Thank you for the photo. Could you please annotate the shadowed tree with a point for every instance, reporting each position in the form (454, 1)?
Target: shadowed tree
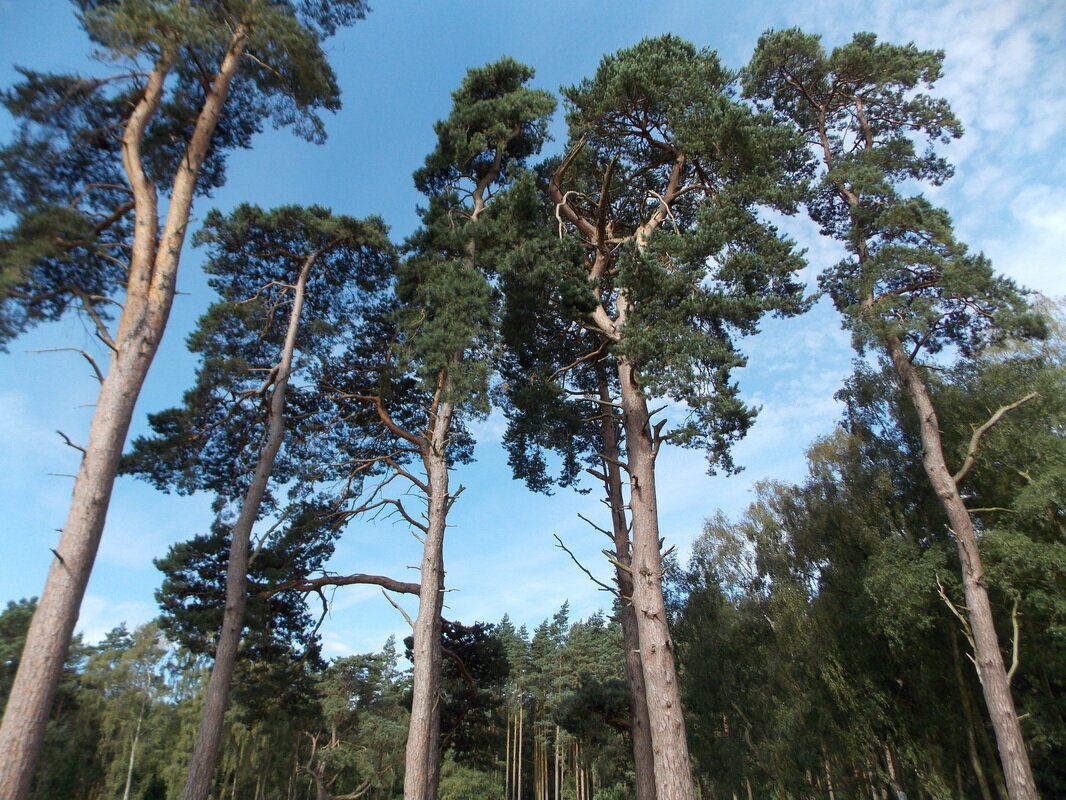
(292, 281)
(84, 177)
(664, 261)
(908, 287)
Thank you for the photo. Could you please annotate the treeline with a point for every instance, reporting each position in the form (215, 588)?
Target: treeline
(822, 650)
(339, 374)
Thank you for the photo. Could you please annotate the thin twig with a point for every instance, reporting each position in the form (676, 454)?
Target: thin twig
(603, 586)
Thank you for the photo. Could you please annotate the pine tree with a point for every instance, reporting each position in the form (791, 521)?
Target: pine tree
(908, 287)
(422, 364)
(84, 177)
(292, 281)
(665, 262)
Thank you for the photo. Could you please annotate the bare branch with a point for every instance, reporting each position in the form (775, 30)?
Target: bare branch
(69, 443)
(317, 584)
(603, 586)
(975, 440)
(86, 356)
(406, 616)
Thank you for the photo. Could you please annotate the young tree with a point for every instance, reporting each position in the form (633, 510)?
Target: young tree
(658, 196)
(908, 286)
(84, 177)
(292, 280)
(422, 367)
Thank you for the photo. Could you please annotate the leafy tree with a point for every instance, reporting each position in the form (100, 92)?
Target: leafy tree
(320, 267)
(422, 367)
(83, 177)
(665, 261)
(908, 286)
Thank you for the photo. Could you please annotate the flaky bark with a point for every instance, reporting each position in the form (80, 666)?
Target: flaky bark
(205, 755)
(673, 771)
(149, 296)
(987, 656)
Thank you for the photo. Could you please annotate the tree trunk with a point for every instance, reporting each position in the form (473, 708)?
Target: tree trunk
(149, 296)
(639, 725)
(205, 755)
(133, 755)
(989, 660)
(422, 763)
(673, 771)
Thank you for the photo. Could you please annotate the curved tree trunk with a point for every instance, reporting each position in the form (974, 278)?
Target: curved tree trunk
(205, 755)
(673, 771)
(149, 296)
(987, 656)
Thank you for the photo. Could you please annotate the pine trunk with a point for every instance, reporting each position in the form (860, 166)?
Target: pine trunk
(149, 296)
(422, 765)
(639, 725)
(673, 772)
(988, 658)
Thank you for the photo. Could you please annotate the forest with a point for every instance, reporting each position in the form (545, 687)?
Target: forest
(890, 626)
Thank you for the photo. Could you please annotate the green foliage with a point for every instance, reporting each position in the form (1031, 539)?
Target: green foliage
(212, 442)
(62, 176)
(681, 279)
(858, 107)
(449, 303)
(832, 639)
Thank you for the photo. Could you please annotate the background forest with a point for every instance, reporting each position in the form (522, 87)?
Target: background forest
(885, 618)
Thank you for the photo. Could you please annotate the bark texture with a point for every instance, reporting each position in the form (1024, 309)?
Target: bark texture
(639, 724)
(149, 295)
(991, 670)
(673, 772)
(422, 759)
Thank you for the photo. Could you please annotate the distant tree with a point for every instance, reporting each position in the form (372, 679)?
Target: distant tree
(908, 287)
(81, 178)
(665, 261)
(422, 367)
(292, 281)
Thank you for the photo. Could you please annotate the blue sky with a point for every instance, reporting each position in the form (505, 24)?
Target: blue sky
(1005, 75)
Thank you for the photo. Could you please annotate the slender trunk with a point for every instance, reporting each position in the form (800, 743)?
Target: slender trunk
(133, 754)
(149, 296)
(989, 660)
(205, 755)
(673, 772)
(639, 726)
(507, 760)
(422, 764)
(520, 731)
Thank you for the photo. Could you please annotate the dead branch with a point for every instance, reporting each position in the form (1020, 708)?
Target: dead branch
(86, 356)
(603, 586)
(308, 585)
(69, 443)
(975, 440)
(406, 616)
